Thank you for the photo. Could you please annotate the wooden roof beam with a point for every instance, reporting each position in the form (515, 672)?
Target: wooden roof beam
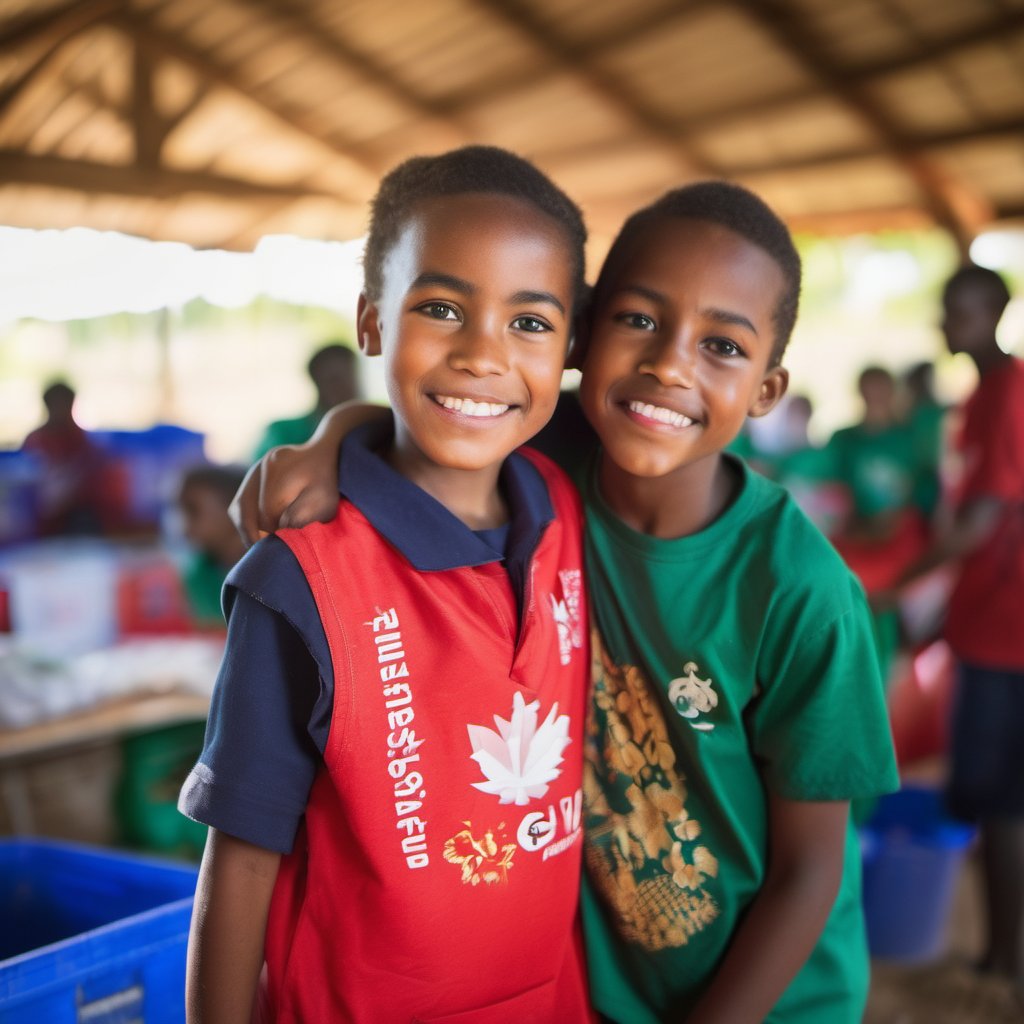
(909, 146)
(90, 178)
(516, 14)
(501, 85)
(860, 76)
(13, 89)
(296, 16)
(148, 128)
(942, 198)
(48, 32)
(161, 43)
(995, 30)
(55, 24)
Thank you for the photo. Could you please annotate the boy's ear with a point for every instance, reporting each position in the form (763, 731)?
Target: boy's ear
(773, 387)
(367, 326)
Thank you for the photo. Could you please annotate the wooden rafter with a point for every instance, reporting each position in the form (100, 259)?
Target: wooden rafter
(1000, 28)
(595, 47)
(55, 24)
(148, 127)
(164, 44)
(13, 89)
(94, 178)
(943, 198)
(860, 76)
(911, 145)
(47, 33)
(609, 87)
(296, 16)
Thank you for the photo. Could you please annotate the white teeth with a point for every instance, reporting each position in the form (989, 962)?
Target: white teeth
(660, 415)
(470, 408)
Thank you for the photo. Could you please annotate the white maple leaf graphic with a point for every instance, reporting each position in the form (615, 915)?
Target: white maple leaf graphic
(521, 758)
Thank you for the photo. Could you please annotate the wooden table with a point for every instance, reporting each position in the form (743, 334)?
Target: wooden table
(102, 724)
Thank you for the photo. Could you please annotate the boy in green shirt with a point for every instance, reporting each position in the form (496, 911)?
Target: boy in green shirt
(737, 707)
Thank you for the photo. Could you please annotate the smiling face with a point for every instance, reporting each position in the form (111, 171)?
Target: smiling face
(680, 347)
(473, 321)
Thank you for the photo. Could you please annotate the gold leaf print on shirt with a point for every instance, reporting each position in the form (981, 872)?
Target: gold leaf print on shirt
(643, 850)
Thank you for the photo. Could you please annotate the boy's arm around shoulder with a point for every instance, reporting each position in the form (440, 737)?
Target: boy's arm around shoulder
(294, 485)
(807, 843)
(229, 920)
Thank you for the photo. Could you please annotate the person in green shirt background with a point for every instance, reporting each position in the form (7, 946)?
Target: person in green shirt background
(737, 707)
(926, 420)
(892, 481)
(204, 497)
(333, 372)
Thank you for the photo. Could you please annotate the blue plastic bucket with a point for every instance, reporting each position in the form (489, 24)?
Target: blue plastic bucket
(913, 852)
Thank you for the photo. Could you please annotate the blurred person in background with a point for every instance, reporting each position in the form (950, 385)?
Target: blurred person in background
(335, 376)
(875, 459)
(925, 417)
(983, 531)
(206, 492)
(805, 469)
(71, 493)
(886, 527)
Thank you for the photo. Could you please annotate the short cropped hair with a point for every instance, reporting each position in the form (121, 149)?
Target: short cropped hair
(739, 210)
(979, 277)
(876, 373)
(486, 169)
(222, 480)
(58, 391)
(326, 354)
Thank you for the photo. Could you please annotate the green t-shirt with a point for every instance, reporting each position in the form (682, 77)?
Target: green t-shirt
(293, 431)
(730, 660)
(881, 469)
(927, 425)
(203, 578)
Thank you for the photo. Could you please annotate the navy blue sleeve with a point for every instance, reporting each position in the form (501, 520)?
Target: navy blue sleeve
(271, 707)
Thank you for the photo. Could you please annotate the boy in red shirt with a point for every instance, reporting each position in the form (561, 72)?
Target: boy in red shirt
(984, 620)
(392, 769)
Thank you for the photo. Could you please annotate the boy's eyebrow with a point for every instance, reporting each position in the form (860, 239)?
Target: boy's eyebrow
(643, 291)
(457, 284)
(723, 316)
(528, 297)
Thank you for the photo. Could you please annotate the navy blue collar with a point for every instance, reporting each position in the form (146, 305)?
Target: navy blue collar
(420, 527)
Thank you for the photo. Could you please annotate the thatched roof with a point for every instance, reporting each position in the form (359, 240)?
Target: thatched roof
(217, 121)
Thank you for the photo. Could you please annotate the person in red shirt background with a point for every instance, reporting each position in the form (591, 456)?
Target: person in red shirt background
(71, 496)
(985, 618)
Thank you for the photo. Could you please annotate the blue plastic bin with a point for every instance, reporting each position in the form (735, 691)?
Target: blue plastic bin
(913, 852)
(91, 935)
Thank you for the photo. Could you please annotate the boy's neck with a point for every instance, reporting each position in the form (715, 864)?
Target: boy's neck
(471, 495)
(676, 505)
(989, 357)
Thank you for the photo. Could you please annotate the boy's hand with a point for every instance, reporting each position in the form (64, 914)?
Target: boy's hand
(297, 484)
(291, 486)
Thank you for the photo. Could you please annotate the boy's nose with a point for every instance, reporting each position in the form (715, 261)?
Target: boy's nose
(480, 351)
(672, 364)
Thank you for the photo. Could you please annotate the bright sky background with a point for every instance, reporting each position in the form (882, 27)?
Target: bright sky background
(78, 274)
(81, 273)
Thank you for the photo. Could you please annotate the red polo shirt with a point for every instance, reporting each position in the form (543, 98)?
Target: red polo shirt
(985, 622)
